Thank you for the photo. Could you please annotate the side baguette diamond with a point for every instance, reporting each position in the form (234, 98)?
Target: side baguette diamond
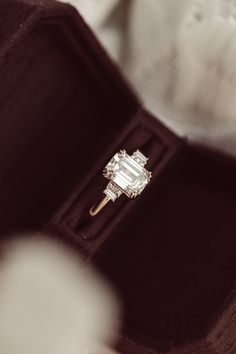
(112, 191)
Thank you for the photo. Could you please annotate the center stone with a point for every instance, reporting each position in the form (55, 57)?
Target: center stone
(130, 176)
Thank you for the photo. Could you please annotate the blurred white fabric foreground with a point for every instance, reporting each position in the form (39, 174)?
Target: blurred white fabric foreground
(49, 304)
(180, 56)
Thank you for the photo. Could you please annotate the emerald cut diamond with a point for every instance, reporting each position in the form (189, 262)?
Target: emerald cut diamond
(127, 174)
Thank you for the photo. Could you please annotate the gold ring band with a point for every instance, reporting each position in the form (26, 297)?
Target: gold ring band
(99, 206)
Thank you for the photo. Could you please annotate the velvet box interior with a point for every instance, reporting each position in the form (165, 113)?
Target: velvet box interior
(65, 110)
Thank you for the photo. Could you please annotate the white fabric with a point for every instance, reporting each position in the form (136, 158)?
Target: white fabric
(50, 304)
(180, 57)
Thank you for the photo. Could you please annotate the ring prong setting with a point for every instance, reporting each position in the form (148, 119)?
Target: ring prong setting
(127, 175)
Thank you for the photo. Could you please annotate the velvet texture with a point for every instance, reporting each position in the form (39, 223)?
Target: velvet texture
(65, 110)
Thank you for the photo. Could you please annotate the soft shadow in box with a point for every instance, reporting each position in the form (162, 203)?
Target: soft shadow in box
(65, 110)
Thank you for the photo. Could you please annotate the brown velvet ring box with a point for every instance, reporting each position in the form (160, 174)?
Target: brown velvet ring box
(65, 110)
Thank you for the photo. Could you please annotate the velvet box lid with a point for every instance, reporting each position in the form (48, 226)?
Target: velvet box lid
(65, 110)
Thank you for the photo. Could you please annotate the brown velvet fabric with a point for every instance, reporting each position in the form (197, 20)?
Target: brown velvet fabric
(64, 110)
(49, 93)
(179, 259)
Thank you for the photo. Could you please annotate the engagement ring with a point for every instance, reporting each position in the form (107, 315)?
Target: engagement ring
(127, 175)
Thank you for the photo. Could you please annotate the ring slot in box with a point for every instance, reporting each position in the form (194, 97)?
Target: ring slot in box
(77, 215)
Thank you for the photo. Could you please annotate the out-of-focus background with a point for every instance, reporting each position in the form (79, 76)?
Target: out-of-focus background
(51, 304)
(179, 56)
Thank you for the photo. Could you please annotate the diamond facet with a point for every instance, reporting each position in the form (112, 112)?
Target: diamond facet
(127, 173)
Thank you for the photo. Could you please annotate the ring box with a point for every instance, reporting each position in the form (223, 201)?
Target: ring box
(65, 110)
